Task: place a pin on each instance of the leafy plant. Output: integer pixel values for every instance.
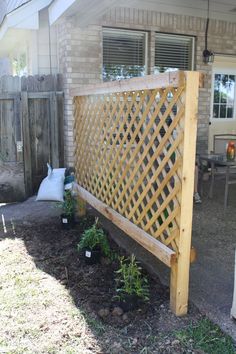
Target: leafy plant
(93, 238)
(130, 280)
(69, 204)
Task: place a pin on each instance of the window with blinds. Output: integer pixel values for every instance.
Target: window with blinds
(173, 52)
(123, 54)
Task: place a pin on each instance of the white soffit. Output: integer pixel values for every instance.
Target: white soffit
(24, 17)
(58, 8)
(218, 9)
(88, 11)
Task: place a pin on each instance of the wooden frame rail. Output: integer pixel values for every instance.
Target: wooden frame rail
(135, 146)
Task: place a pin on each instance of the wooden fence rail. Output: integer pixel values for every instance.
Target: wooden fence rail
(135, 156)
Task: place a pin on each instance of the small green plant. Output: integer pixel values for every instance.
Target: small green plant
(207, 337)
(69, 204)
(130, 280)
(93, 238)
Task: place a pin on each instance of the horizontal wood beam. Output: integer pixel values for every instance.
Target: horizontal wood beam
(43, 94)
(148, 82)
(9, 96)
(32, 95)
(158, 249)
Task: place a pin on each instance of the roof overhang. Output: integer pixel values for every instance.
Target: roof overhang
(86, 10)
(89, 11)
(24, 17)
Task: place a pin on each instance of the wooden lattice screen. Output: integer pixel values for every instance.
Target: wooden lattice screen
(135, 153)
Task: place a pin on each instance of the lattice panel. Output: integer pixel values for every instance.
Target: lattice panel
(129, 149)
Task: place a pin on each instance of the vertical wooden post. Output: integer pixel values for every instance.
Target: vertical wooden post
(81, 206)
(54, 130)
(179, 282)
(26, 145)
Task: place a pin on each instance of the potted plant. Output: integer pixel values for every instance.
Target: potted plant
(93, 244)
(131, 285)
(68, 207)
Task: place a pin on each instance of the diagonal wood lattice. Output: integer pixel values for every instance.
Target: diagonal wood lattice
(134, 157)
(129, 155)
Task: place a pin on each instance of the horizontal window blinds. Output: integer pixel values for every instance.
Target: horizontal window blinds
(123, 53)
(173, 52)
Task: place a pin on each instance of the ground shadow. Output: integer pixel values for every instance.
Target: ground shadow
(92, 288)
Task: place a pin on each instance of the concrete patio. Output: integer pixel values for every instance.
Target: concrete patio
(211, 278)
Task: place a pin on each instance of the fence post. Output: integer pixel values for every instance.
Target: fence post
(179, 282)
(54, 129)
(26, 144)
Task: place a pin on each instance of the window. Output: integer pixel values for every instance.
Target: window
(224, 95)
(173, 52)
(124, 54)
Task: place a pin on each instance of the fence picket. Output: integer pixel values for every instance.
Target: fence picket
(31, 115)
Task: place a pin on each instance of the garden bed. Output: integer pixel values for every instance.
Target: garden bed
(53, 302)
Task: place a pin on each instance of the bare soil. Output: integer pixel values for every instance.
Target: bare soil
(51, 301)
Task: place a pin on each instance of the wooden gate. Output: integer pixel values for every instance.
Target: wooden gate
(31, 115)
(135, 155)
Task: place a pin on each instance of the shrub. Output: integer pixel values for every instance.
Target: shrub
(130, 280)
(69, 204)
(93, 238)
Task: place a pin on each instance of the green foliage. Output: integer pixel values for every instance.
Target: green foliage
(94, 237)
(130, 280)
(69, 204)
(19, 65)
(207, 337)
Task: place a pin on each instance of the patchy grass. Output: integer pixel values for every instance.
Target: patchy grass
(204, 335)
(49, 303)
(37, 314)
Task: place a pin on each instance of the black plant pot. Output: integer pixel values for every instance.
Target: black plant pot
(130, 303)
(92, 256)
(67, 221)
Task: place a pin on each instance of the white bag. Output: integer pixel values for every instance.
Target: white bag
(52, 186)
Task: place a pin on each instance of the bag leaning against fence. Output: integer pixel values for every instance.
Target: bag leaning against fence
(52, 186)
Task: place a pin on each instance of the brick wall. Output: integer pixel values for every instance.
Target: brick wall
(80, 55)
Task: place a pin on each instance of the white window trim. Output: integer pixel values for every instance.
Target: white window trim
(228, 71)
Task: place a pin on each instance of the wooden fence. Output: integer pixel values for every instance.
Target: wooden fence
(135, 156)
(31, 115)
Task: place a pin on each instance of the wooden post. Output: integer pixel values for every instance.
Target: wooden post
(81, 206)
(179, 282)
(54, 129)
(26, 145)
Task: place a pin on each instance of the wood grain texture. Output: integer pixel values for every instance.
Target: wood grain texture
(159, 250)
(31, 125)
(134, 158)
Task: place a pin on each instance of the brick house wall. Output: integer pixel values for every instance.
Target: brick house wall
(80, 55)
